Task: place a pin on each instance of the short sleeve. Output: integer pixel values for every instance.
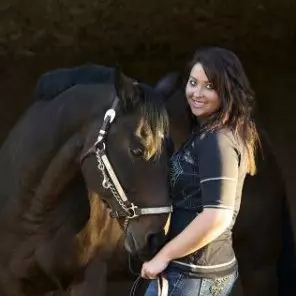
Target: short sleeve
(218, 160)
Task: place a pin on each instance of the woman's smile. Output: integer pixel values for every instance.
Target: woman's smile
(201, 96)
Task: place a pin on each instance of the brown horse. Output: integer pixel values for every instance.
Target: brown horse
(58, 187)
(258, 231)
(64, 247)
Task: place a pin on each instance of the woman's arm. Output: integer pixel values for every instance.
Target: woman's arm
(206, 227)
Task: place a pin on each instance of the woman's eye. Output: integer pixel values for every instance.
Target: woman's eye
(192, 82)
(138, 152)
(209, 86)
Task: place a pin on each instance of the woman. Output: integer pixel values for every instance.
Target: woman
(206, 180)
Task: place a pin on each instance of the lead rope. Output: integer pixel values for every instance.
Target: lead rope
(135, 286)
(162, 282)
(162, 286)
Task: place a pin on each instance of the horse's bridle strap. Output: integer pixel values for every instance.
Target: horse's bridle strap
(113, 177)
(155, 210)
(132, 210)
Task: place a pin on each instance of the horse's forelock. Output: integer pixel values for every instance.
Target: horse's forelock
(154, 114)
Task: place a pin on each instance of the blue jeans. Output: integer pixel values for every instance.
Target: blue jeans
(182, 285)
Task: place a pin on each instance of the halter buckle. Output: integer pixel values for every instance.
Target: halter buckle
(100, 145)
(132, 212)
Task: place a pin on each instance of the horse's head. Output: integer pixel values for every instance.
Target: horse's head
(134, 146)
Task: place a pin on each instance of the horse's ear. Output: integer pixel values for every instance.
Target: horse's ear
(125, 89)
(168, 84)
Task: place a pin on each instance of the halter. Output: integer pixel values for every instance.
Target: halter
(110, 181)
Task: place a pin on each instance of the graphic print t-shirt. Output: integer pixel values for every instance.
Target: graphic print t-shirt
(207, 172)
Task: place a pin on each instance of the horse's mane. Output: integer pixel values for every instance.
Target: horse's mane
(55, 82)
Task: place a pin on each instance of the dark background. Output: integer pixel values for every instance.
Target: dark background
(148, 39)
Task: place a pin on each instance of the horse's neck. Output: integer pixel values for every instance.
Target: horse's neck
(100, 228)
(43, 131)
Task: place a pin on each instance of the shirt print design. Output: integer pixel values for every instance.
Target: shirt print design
(184, 179)
(175, 170)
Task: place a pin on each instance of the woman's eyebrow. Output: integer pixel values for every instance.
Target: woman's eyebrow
(204, 81)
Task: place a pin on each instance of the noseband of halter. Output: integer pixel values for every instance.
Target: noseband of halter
(128, 210)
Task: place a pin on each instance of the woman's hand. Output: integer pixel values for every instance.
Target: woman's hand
(150, 269)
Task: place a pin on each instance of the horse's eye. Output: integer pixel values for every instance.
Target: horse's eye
(138, 151)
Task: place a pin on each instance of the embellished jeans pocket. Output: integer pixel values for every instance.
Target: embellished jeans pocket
(221, 286)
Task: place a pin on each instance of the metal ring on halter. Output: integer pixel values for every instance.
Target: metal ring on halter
(101, 166)
(132, 212)
(106, 184)
(97, 145)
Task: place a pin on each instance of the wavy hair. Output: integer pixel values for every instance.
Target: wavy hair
(225, 71)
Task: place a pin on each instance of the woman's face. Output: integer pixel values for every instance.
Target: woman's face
(201, 97)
